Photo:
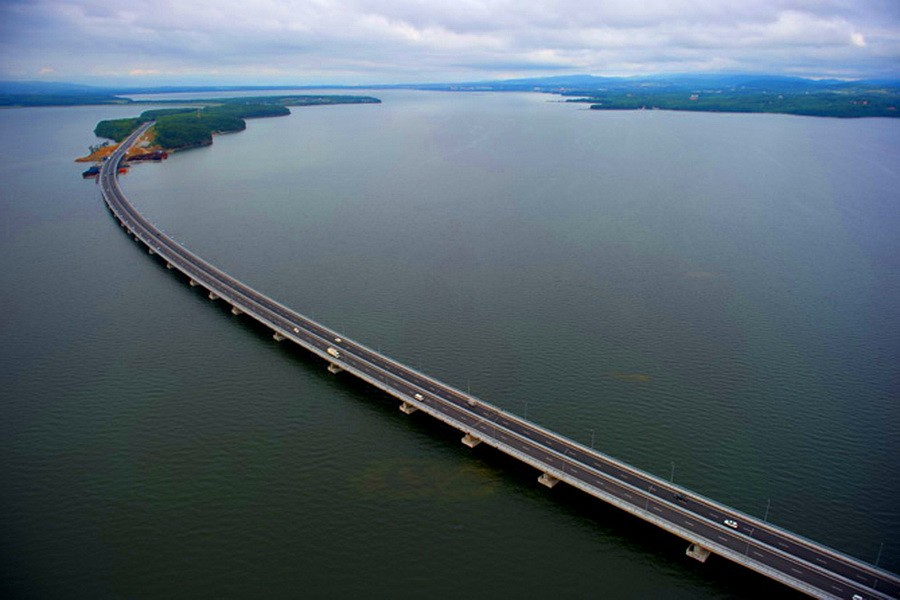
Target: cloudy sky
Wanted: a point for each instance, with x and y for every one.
(153, 42)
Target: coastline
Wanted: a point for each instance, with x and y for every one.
(185, 128)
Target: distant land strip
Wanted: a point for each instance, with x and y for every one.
(734, 93)
(811, 104)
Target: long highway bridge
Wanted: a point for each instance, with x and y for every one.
(708, 526)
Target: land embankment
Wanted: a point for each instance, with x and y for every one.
(144, 145)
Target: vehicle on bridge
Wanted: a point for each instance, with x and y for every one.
(769, 550)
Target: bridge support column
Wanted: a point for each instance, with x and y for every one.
(213, 296)
(408, 408)
(548, 480)
(193, 283)
(236, 311)
(169, 266)
(334, 369)
(150, 251)
(698, 552)
(277, 337)
(470, 440)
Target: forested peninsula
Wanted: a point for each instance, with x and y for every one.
(191, 127)
(813, 105)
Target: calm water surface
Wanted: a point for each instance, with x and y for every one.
(709, 296)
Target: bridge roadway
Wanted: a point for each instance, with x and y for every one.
(774, 552)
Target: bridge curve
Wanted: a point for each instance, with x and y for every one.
(709, 526)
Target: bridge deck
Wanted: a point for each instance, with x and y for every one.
(776, 553)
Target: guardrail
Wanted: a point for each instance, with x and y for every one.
(458, 410)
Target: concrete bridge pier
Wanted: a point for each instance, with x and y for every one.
(698, 552)
(334, 369)
(213, 296)
(548, 480)
(408, 408)
(150, 251)
(236, 311)
(277, 337)
(470, 440)
(169, 266)
(193, 283)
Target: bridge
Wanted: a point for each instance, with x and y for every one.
(707, 526)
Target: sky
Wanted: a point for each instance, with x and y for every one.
(346, 42)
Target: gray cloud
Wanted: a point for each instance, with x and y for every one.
(381, 41)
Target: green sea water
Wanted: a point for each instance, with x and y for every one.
(709, 297)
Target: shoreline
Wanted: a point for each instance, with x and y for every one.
(179, 129)
(144, 145)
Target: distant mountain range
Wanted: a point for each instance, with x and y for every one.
(668, 83)
(586, 83)
(47, 87)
